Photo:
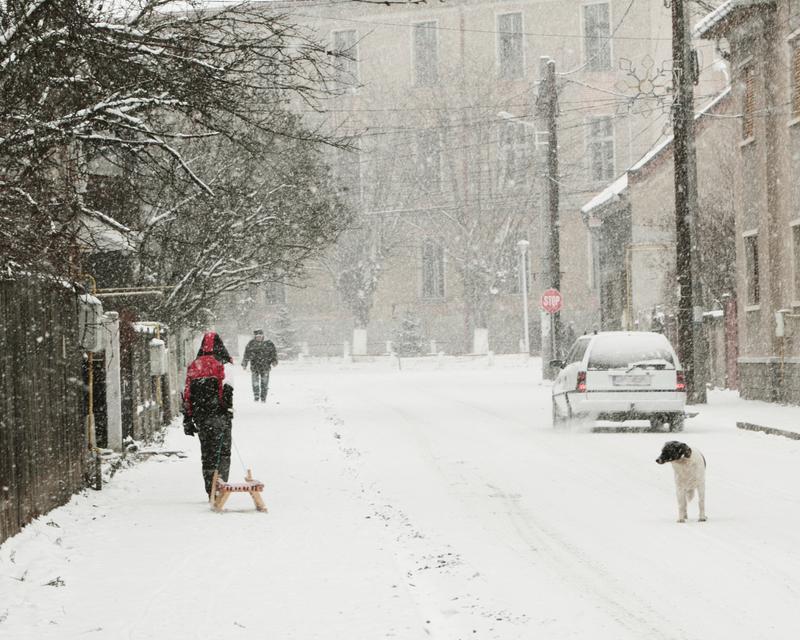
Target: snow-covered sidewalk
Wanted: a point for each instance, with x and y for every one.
(145, 558)
(729, 408)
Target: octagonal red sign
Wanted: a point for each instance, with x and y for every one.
(552, 301)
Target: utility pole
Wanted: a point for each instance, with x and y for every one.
(690, 315)
(548, 109)
(523, 269)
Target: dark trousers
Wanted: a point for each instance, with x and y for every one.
(260, 383)
(215, 446)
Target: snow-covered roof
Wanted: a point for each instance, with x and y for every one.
(717, 16)
(614, 189)
(621, 184)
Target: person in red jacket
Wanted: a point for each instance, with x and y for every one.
(207, 407)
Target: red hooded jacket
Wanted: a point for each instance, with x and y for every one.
(207, 367)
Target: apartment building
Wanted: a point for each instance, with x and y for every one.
(440, 99)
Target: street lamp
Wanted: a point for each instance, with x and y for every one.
(523, 250)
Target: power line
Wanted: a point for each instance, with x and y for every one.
(374, 131)
(381, 23)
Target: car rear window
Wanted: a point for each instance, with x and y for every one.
(621, 351)
(578, 350)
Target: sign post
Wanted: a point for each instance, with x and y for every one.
(551, 303)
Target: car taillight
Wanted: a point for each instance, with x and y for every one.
(680, 381)
(581, 386)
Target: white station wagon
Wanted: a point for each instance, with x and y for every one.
(618, 376)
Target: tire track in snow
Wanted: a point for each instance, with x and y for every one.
(583, 571)
(532, 528)
(592, 579)
(448, 611)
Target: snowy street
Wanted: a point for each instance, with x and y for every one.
(422, 503)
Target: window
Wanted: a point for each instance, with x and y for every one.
(796, 254)
(275, 293)
(429, 160)
(345, 45)
(510, 57)
(578, 350)
(612, 352)
(347, 174)
(432, 270)
(601, 148)
(597, 36)
(426, 54)
(513, 154)
(751, 268)
(749, 103)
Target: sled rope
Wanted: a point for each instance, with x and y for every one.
(239, 455)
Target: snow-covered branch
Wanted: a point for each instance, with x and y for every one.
(143, 87)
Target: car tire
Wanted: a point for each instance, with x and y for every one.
(676, 423)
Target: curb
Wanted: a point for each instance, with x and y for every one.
(794, 435)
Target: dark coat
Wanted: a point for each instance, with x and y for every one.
(261, 354)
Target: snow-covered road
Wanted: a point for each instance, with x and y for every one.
(422, 504)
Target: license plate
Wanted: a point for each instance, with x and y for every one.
(631, 381)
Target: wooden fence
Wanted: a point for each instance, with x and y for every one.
(149, 402)
(42, 432)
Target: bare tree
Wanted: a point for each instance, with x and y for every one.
(716, 223)
(455, 174)
(270, 214)
(142, 84)
(490, 192)
(369, 180)
(356, 262)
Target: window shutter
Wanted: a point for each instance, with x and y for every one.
(748, 129)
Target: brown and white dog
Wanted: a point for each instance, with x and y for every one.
(690, 475)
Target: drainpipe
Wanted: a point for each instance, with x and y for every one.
(90, 426)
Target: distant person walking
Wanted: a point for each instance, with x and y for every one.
(208, 407)
(262, 356)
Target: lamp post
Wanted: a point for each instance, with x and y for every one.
(523, 250)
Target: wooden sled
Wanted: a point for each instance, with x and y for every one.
(221, 491)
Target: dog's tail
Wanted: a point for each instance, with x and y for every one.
(690, 494)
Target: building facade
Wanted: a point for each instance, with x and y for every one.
(761, 40)
(633, 223)
(449, 175)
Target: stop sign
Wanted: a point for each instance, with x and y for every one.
(552, 301)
